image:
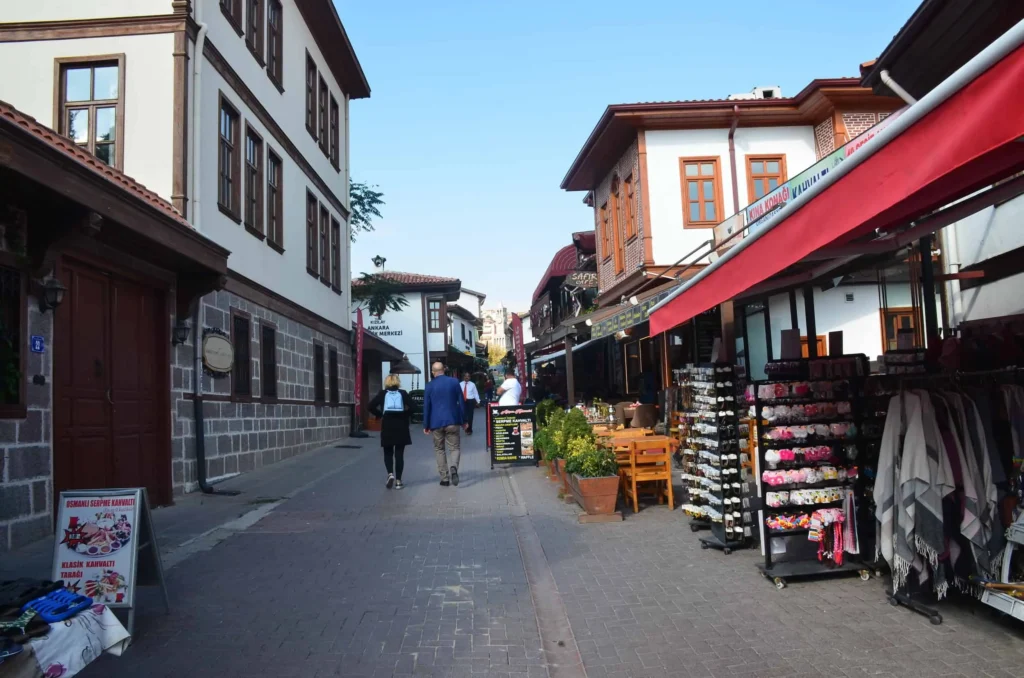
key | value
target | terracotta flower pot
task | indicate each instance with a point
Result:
(552, 470)
(561, 474)
(596, 495)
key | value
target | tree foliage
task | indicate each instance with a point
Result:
(495, 354)
(379, 293)
(365, 203)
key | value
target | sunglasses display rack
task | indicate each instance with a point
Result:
(809, 415)
(713, 471)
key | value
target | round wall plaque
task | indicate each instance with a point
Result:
(218, 354)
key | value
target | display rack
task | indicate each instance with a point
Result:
(713, 456)
(809, 454)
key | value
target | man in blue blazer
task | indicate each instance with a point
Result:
(442, 416)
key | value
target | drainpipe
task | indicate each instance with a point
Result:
(732, 159)
(895, 87)
(197, 116)
(197, 398)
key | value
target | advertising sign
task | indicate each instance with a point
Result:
(587, 279)
(358, 389)
(511, 432)
(634, 315)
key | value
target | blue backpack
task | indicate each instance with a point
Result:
(393, 401)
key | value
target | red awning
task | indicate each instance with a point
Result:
(562, 264)
(966, 143)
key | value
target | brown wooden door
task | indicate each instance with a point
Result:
(109, 386)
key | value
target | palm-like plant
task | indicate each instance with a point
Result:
(379, 293)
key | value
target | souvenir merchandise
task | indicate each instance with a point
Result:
(809, 438)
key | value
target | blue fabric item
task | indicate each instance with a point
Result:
(442, 403)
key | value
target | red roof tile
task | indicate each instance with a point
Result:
(411, 279)
(118, 179)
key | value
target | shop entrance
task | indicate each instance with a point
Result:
(110, 390)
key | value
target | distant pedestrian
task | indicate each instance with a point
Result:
(470, 401)
(393, 405)
(489, 390)
(510, 391)
(442, 416)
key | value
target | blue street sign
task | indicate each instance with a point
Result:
(38, 344)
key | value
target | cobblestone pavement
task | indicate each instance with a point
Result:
(347, 578)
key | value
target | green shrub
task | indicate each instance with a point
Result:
(543, 442)
(544, 410)
(588, 461)
(576, 426)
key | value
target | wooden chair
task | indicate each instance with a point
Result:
(650, 461)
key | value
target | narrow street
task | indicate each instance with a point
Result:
(346, 578)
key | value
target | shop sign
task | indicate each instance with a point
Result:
(218, 354)
(632, 316)
(510, 433)
(38, 344)
(586, 279)
(105, 546)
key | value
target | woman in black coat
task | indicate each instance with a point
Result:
(394, 428)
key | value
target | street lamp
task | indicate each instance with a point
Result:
(180, 332)
(51, 294)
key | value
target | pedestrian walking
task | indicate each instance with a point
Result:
(470, 401)
(392, 406)
(442, 417)
(489, 390)
(510, 390)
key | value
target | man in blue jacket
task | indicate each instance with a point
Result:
(442, 416)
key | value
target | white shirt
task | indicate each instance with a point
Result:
(469, 391)
(512, 391)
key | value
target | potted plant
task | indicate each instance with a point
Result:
(594, 476)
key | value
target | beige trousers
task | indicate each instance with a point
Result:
(447, 437)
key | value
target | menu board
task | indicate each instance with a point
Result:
(511, 434)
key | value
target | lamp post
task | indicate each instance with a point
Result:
(51, 294)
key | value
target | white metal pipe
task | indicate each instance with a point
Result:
(964, 75)
(895, 87)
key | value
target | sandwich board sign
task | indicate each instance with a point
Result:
(105, 546)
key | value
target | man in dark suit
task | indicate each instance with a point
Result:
(443, 416)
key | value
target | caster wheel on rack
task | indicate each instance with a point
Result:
(893, 601)
(780, 583)
(865, 575)
(703, 546)
(878, 574)
(726, 551)
(694, 528)
(936, 620)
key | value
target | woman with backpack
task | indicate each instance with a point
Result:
(393, 405)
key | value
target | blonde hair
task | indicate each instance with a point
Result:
(392, 381)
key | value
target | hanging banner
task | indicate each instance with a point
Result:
(510, 431)
(519, 348)
(634, 315)
(358, 390)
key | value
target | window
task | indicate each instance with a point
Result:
(318, 373)
(310, 96)
(896, 321)
(12, 339)
(765, 173)
(616, 218)
(821, 346)
(462, 331)
(275, 39)
(91, 106)
(334, 133)
(434, 315)
(227, 161)
(335, 255)
(630, 208)
(322, 113)
(325, 246)
(606, 231)
(241, 375)
(268, 360)
(232, 9)
(254, 29)
(702, 192)
(275, 202)
(332, 363)
(253, 182)
(311, 237)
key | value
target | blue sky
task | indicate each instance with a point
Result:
(480, 106)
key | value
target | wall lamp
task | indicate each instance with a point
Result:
(180, 332)
(51, 294)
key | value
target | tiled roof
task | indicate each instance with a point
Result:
(400, 278)
(118, 179)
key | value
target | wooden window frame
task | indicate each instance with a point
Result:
(254, 222)
(897, 310)
(822, 343)
(60, 106)
(18, 410)
(233, 207)
(275, 201)
(335, 134)
(232, 10)
(275, 44)
(325, 245)
(265, 369)
(441, 313)
(323, 94)
(751, 159)
(606, 248)
(333, 382)
(335, 255)
(235, 376)
(631, 216)
(254, 27)
(319, 385)
(312, 236)
(684, 195)
(311, 75)
(616, 209)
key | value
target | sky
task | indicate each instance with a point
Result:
(479, 107)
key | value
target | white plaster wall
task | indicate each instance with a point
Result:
(289, 108)
(459, 325)
(996, 299)
(670, 240)
(990, 232)
(49, 10)
(148, 95)
(254, 258)
(403, 330)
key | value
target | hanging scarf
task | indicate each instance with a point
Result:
(889, 455)
(851, 542)
(976, 523)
